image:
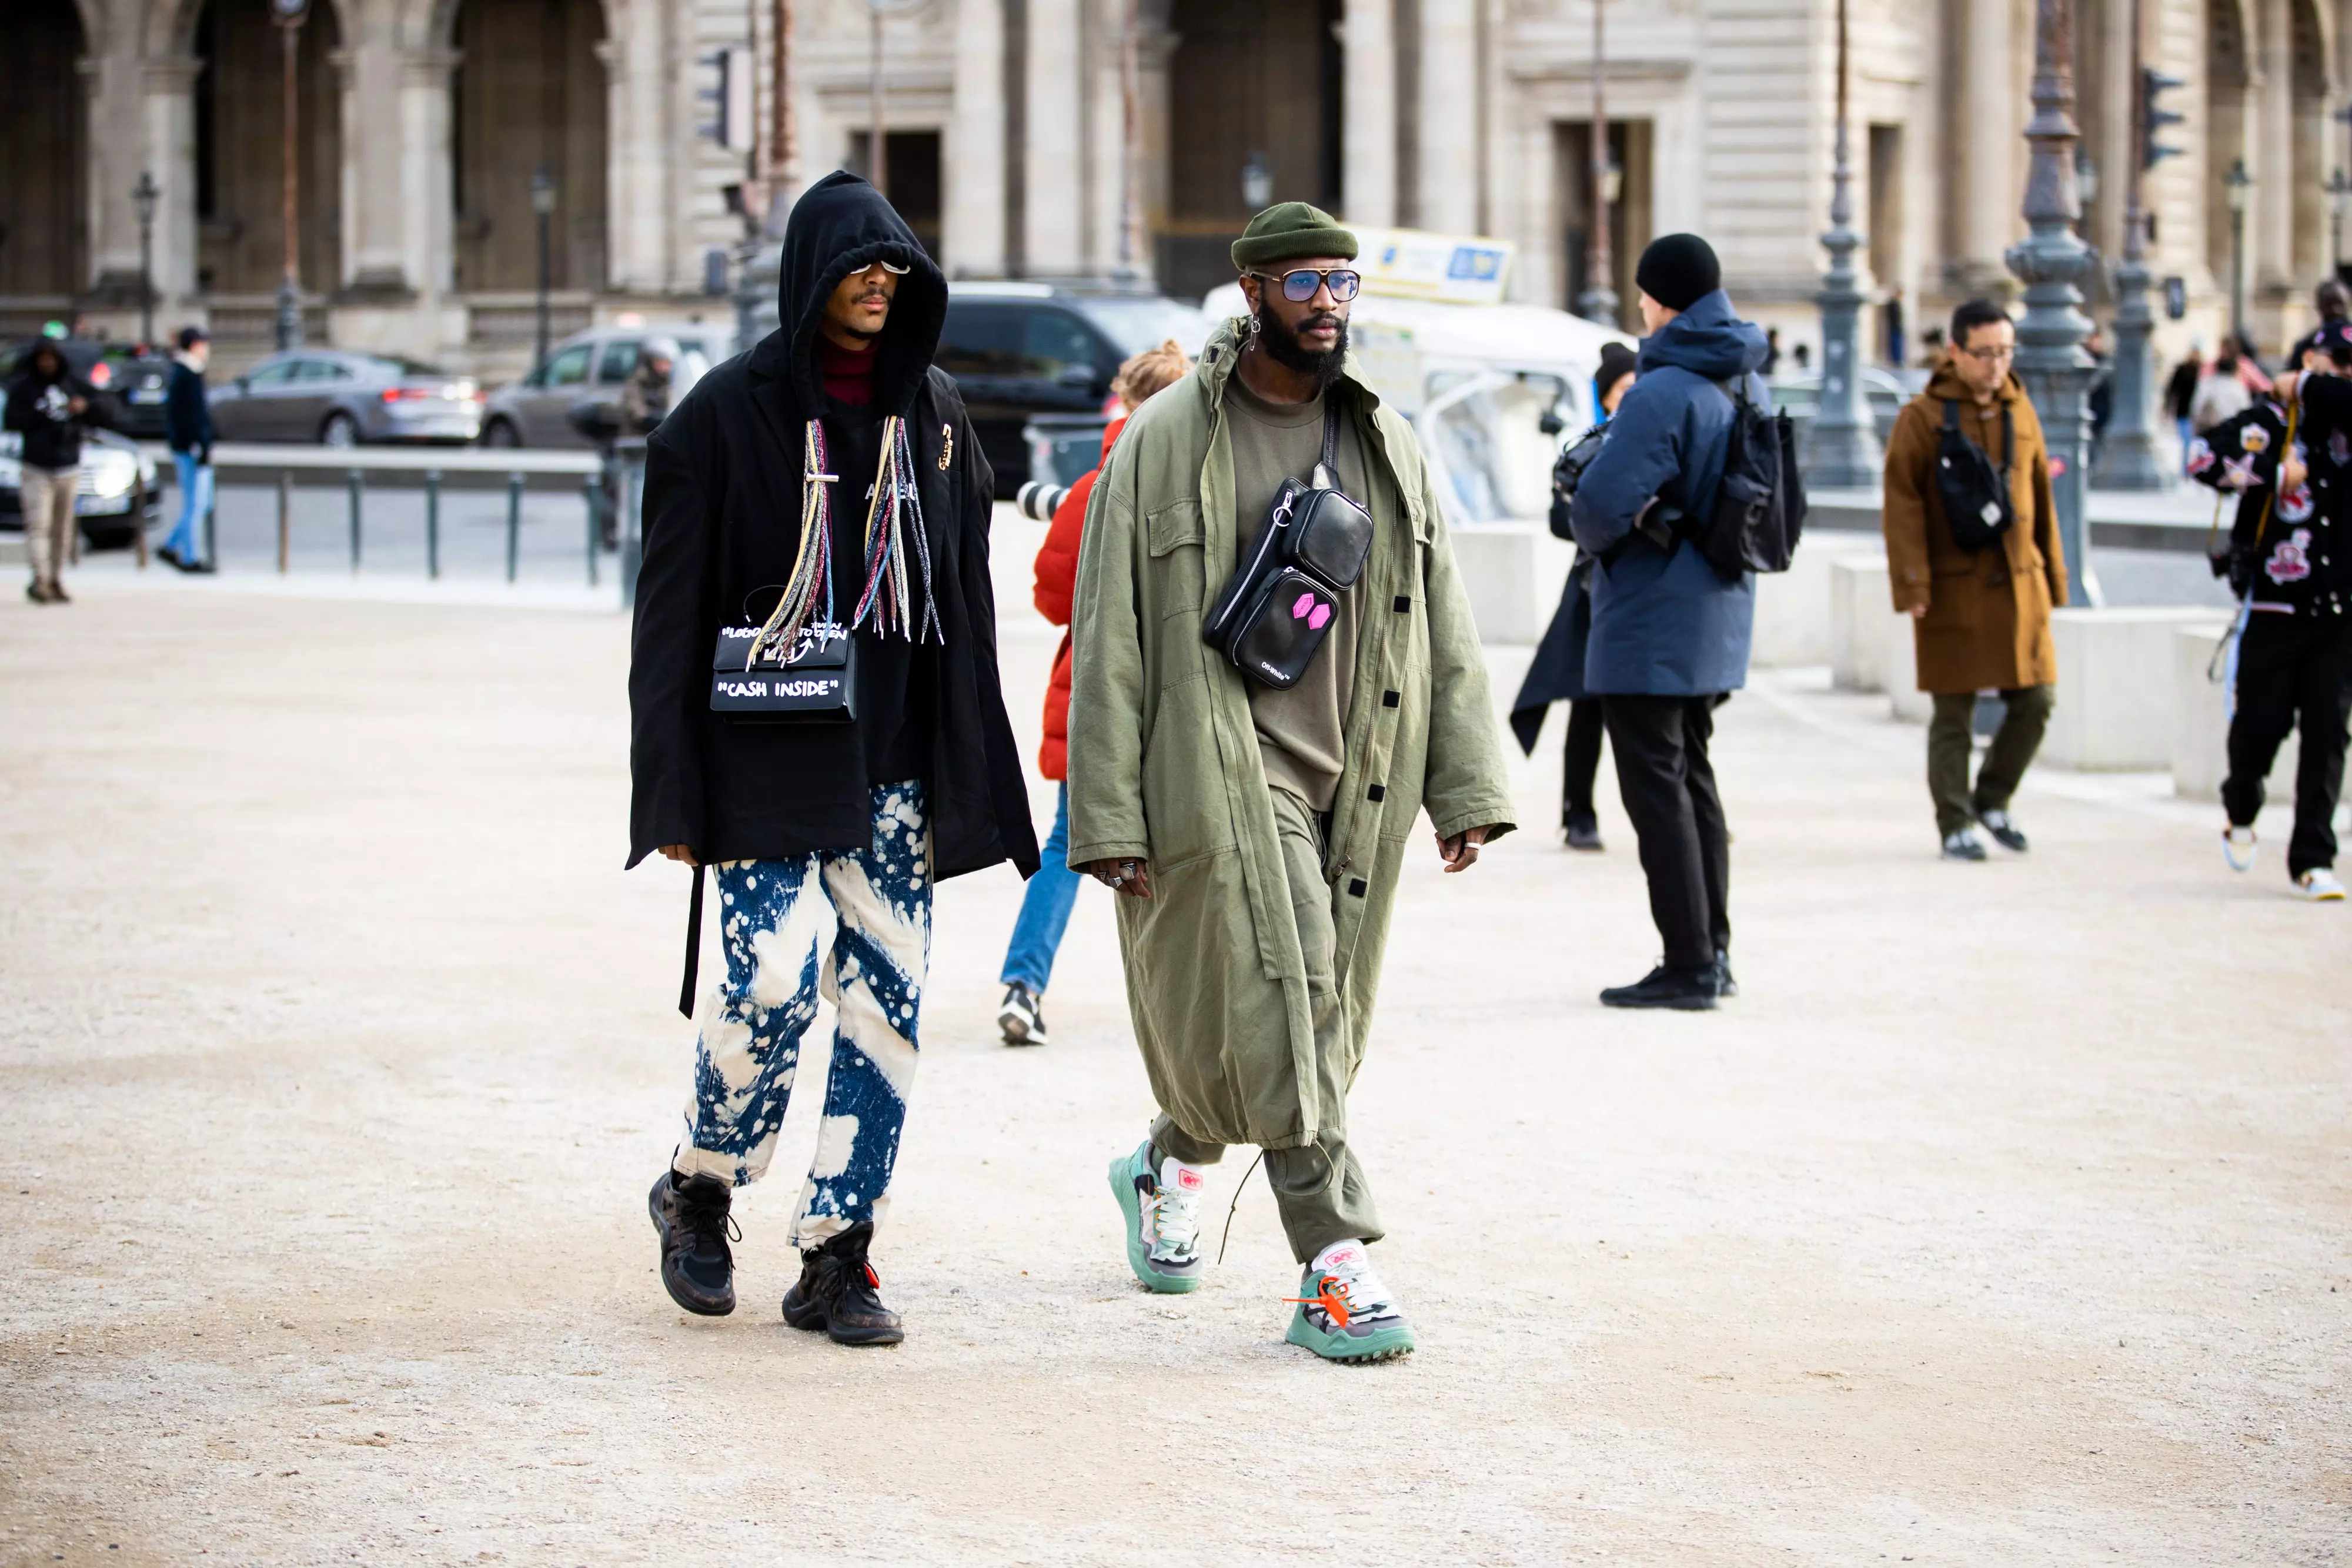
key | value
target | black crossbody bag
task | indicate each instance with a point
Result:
(1976, 494)
(1280, 604)
(814, 681)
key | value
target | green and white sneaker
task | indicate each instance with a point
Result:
(1163, 1220)
(1344, 1313)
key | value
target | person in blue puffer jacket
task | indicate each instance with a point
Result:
(1670, 635)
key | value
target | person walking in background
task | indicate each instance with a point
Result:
(2180, 392)
(1557, 673)
(47, 407)
(645, 395)
(823, 494)
(1670, 635)
(1973, 556)
(1899, 341)
(1257, 880)
(1046, 902)
(188, 431)
(2221, 392)
(2290, 563)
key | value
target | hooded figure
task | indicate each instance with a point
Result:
(47, 407)
(834, 431)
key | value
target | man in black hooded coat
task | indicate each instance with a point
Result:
(924, 782)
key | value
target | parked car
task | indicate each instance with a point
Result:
(1883, 390)
(130, 378)
(1019, 350)
(590, 366)
(339, 398)
(114, 470)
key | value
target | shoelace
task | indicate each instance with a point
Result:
(1175, 1218)
(1347, 1296)
(707, 1222)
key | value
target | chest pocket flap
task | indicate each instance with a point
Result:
(1177, 523)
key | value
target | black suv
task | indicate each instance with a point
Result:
(1022, 348)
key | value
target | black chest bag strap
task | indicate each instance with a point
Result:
(693, 943)
(1327, 468)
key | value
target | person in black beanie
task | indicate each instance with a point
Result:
(1669, 636)
(1557, 673)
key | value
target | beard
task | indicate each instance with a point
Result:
(1284, 346)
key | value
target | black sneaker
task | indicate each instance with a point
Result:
(1023, 1017)
(835, 1293)
(1685, 991)
(1583, 834)
(2004, 830)
(1725, 985)
(690, 1216)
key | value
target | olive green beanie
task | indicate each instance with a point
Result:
(1291, 231)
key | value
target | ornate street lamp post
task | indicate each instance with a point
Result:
(2235, 184)
(2051, 261)
(2129, 460)
(1842, 449)
(542, 208)
(289, 15)
(1599, 302)
(144, 197)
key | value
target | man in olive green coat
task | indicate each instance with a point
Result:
(1258, 832)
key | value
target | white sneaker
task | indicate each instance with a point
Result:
(1345, 1313)
(2319, 885)
(1021, 1019)
(2238, 848)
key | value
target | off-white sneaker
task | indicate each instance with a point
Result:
(2319, 885)
(2238, 848)
(1345, 1313)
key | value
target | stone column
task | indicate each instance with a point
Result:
(425, 245)
(1449, 106)
(169, 122)
(1052, 161)
(2270, 155)
(1367, 159)
(974, 157)
(116, 153)
(1989, 124)
(1155, 51)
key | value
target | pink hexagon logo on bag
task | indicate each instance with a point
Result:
(1312, 611)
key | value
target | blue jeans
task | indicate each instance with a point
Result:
(1045, 908)
(187, 540)
(753, 1020)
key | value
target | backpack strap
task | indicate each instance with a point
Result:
(1327, 468)
(1951, 414)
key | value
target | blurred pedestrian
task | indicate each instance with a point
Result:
(645, 395)
(1772, 353)
(1973, 556)
(822, 504)
(1669, 636)
(1898, 340)
(1557, 673)
(49, 406)
(1046, 902)
(2180, 392)
(188, 432)
(1256, 830)
(2221, 392)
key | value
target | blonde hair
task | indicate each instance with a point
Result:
(1149, 371)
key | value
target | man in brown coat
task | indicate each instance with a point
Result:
(1981, 613)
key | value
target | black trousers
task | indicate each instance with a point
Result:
(1668, 785)
(1580, 764)
(2295, 672)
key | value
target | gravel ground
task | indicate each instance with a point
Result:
(2001, 1220)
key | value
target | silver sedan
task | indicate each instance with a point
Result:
(342, 399)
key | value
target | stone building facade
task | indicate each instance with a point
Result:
(421, 124)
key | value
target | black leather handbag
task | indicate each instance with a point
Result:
(1280, 604)
(1975, 492)
(814, 681)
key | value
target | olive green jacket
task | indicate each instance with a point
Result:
(1164, 763)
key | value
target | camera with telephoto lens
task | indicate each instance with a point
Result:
(1039, 500)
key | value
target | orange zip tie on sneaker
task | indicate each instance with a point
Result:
(1335, 1305)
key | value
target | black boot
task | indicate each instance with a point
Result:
(835, 1293)
(1686, 990)
(690, 1216)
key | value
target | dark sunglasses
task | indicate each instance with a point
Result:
(1299, 286)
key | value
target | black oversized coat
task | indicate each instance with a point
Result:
(722, 517)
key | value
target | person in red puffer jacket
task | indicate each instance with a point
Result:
(1051, 895)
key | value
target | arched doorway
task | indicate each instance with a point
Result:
(529, 94)
(1249, 77)
(240, 113)
(44, 233)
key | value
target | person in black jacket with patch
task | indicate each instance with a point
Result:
(827, 483)
(2290, 562)
(47, 406)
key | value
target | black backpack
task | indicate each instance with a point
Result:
(1759, 507)
(1975, 494)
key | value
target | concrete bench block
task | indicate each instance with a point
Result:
(1792, 607)
(2117, 686)
(1513, 574)
(2200, 723)
(1861, 622)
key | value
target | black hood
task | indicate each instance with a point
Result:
(840, 226)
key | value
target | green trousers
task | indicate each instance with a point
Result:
(1318, 1187)
(1951, 740)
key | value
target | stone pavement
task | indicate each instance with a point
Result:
(2002, 1219)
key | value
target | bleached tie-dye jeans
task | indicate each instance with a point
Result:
(751, 1022)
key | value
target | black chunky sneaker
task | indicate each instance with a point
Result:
(1686, 990)
(1725, 985)
(835, 1293)
(690, 1215)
